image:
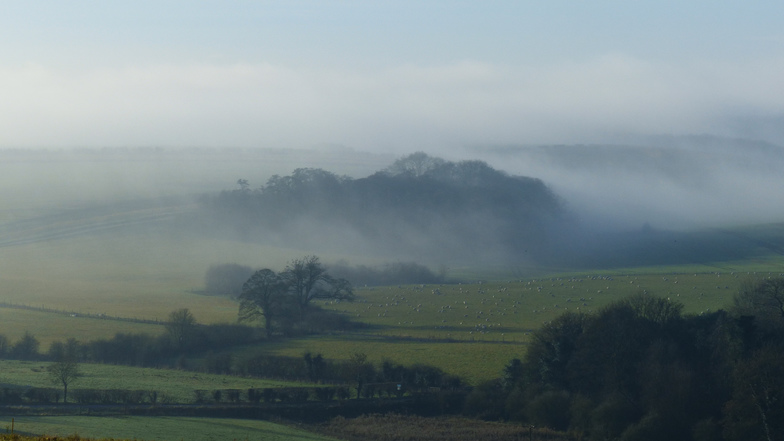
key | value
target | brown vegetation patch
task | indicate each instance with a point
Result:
(393, 427)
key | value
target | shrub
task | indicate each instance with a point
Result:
(325, 393)
(269, 395)
(343, 393)
(26, 348)
(549, 409)
(226, 279)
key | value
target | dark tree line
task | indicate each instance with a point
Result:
(640, 370)
(367, 380)
(398, 273)
(418, 206)
(228, 279)
(184, 339)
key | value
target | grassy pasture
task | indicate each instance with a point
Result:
(177, 385)
(158, 428)
(143, 273)
(81, 261)
(473, 361)
(510, 311)
(134, 276)
(469, 329)
(49, 327)
(473, 330)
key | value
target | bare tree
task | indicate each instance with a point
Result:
(763, 299)
(359, 370)
(180, 325)
(307, 279)
(64, 372)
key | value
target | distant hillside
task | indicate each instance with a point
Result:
(419, 207)
(675, 183)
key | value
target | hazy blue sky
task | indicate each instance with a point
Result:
(394, 75)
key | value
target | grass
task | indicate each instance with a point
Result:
(142, 275)
(473, 330)
(175, 384)
(49, 327)
(470, 329)
(132, 276)
(159, 428)
(474, 362)
(510, 311)
(414, 428)
(145, 271)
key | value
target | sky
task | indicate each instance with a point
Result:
(386, 75)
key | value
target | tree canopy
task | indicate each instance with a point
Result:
(286, 296)
(639, 369)
(418, 206)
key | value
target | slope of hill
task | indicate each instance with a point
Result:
(420, 207)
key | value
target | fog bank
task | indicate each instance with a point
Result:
(665, 182)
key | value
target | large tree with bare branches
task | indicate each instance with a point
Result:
(307, 279)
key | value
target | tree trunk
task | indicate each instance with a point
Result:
(268, 326)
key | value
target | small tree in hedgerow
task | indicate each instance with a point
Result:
(359, 370)
(64, 372)
(180, 326)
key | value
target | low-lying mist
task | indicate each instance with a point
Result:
(418, 208)
(669, 183)
(651, 201)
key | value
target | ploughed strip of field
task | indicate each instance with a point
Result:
(66, 223)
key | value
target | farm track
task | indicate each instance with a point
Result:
(80, 222)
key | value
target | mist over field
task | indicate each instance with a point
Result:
(608, 196)
(649, 118)
(476, 220)
(667, 182)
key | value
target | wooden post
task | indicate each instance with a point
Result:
(12, 426)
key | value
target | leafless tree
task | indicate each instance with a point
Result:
(64, 372)
(763, 299)
(180, 325)
(307, 279)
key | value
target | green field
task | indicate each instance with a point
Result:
(467, 329)
(176, 385)
(473, 330)
(134, 261)
(48, 327)
(158, 428)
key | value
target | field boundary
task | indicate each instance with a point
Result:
(98, 316)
